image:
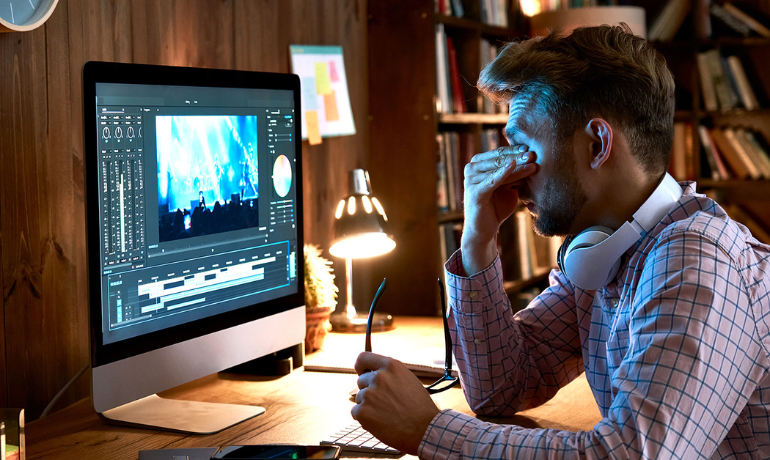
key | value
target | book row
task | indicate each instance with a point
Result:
(449, 87)
(730, 152)
(724, 83)
(491, 12)
(711, 19)
(456, 149)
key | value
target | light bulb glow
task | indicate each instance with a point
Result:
(340, 208)
(352, 205)
(362, 246)
(379, 208)
(367, 204)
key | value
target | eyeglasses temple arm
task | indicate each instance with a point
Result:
(447, 336)
(375, 301)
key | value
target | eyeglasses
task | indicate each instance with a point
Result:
(446, 381)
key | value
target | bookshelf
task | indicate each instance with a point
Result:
(747, 197)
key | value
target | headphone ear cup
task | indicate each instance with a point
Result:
(577, 260)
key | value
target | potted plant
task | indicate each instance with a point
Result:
(320, 297)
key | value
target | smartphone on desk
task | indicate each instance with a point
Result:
(278, 451)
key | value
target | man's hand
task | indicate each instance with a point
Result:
(492, 180)
(392, 404)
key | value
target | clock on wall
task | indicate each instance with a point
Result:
(24, 15)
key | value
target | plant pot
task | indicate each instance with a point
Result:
(317, 325)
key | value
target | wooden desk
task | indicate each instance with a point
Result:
(303, 407)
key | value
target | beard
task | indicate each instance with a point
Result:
(562, 199)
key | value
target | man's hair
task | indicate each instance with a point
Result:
(602, 71)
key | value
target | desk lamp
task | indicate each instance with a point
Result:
(361, 230)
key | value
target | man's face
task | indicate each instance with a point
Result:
(553, 195)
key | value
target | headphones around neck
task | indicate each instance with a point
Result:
(591, 259)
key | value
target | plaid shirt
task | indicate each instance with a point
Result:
(675, 349)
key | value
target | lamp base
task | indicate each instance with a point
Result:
(380, 323)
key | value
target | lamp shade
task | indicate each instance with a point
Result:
(361, 227)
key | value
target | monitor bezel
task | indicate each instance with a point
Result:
(95, 72)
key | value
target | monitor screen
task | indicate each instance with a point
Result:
(194, 212)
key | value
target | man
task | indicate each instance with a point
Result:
(675, 344)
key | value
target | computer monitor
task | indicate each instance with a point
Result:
(193, 192)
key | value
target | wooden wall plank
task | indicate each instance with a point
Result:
(22, 192)
(403, 149)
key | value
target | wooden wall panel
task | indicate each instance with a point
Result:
(403, 149)
(43, 338)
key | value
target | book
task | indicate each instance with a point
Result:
(442, 198)
(725, 96)
(752, 23)
(745, 156)
(729, 20)
(443, 104)
(458, 100)
(678, 168)
(701, 19)
(755, 149)
(732, 158)
(745, 91)
(706, 83)
(718, 169)
(669, 20)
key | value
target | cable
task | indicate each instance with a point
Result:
(61, 392)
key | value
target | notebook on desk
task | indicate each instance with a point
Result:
(428, 362)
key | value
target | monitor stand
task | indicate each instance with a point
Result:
(180, 416)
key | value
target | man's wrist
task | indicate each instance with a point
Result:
(477, 255)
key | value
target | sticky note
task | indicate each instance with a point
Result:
(309, 94)
(330, 103)
(313, 130)
(323, 85)
(333, 72)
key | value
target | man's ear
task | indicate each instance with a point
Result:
(599, 133)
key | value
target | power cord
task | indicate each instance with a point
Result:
(61, 392)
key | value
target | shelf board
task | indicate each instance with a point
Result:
(759, 185)
(450, 216)
(514, 286)
(478, 26)
(473, 118)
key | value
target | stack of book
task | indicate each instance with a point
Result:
(455, 150)
(724, 83)
(735, 153)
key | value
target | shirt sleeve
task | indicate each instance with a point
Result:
(691, 363)
(508, 363)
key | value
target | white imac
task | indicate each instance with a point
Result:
(194, 231)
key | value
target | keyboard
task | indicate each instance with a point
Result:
(354, 438)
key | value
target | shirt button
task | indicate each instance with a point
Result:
(614, 303)
(473, 294)
(477, 341)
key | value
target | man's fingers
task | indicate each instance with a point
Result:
(368, 361)
(500, 155)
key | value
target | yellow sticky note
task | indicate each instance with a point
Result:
(323, 85)
(313, 131)
(330, 102)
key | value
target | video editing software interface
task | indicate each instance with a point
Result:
(197, 202)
